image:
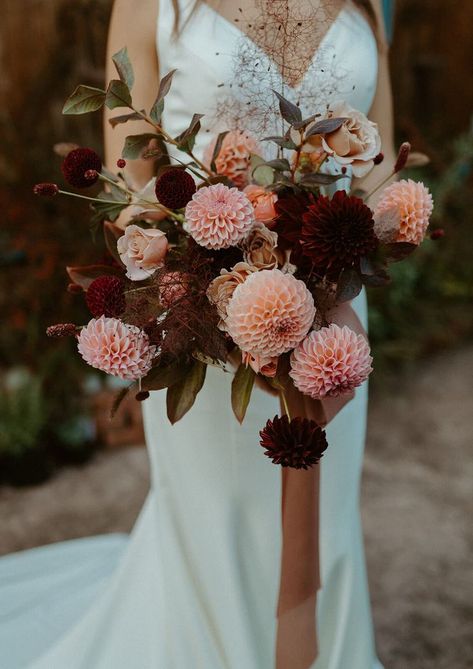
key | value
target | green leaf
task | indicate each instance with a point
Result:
(320, 179)
(398, 251)
(186, 140)
(289, 111)
(181, 396)
(283, 142)
(118, 399)
(83, 100)
(118, 95)
(123, 118)
(216, 151)
(164, 88)
(124, 67)
(260, 172)
(326, 126)
(242, 386)
(164, 376)
(135, 144)
(112, 205)
(349, 285)
(280, 164)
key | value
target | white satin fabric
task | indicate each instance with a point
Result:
(196, 584)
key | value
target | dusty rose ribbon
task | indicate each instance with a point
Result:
(296, 639)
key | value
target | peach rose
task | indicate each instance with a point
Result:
(222, 287)
(259, 364)
(260, 249)
(356, 142)
(234, 157)
(263, 202)
(142, 251)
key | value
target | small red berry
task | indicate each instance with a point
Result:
(378, 159)
(121, 163)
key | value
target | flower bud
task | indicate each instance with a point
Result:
(402, 156)
(46, 189)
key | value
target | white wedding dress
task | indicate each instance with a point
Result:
(195, 586)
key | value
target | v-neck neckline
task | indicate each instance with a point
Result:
(244, 35)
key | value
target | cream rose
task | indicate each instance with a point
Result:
(222, 287)
(142, 251)
(263, 202)
(260, 249)
(356, 142)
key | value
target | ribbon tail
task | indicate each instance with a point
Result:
(296, 642)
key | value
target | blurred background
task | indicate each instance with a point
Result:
(56, 440)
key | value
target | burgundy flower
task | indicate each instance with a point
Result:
(299, 443)
(175, 188)
(105, 297)
(290, 209)
(46, 189)
(337, 233)
(62, 330)
(77, 163)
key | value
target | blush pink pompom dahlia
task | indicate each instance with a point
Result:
(218, 216)
(403, 212)
(116, 348)
(330, 362)
(270, 313)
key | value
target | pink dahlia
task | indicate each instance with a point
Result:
(402, 214)
(270, 313)
(172, 287)
(234, 158)
(218, 216)
(330, 362)
(116, 348)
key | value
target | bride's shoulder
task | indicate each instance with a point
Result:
(135, 18)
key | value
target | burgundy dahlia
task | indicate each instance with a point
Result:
(299, 443)
(77, 163)
(337, 233)
(175, 188)
(290, 209)
(105, 297)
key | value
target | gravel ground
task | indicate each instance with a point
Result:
(416, 508)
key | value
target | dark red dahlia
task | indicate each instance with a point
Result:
(299, 443)
(105, 297)
(290, 209)
(337, 233)
(77, 163)
(175, 188)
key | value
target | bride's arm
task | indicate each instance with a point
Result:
(132, 24)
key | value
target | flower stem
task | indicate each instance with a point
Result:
(380, 185)
(85, 197)
(285, 404)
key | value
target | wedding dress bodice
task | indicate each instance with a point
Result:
(210, 54)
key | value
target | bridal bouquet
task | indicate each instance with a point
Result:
(235, 260)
